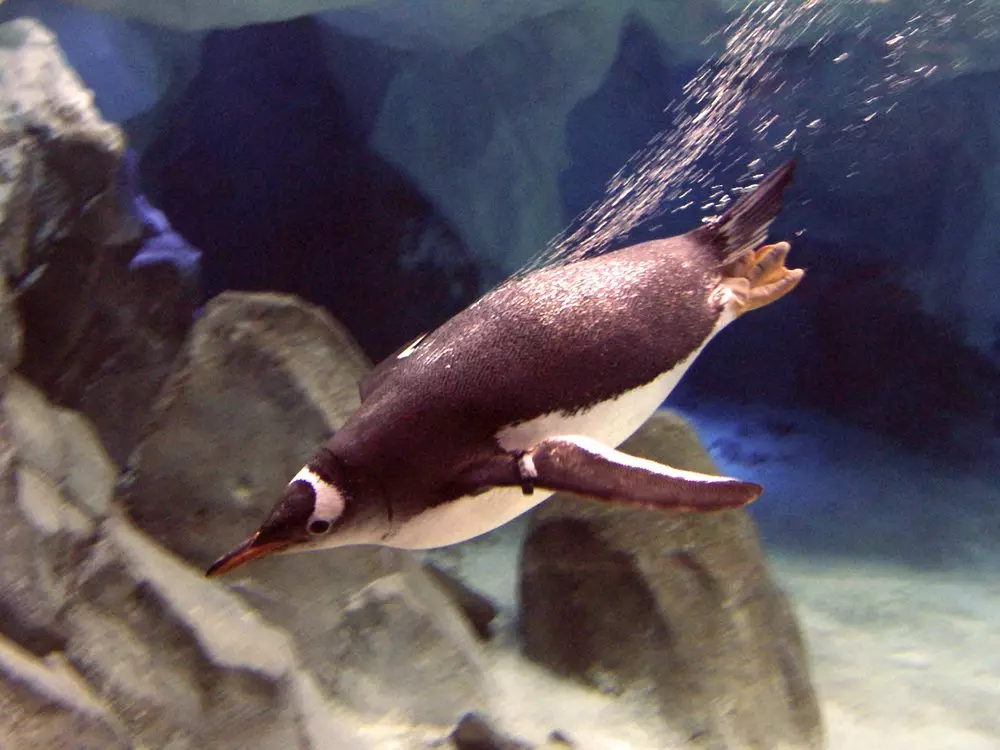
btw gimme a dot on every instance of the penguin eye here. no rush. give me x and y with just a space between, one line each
319 526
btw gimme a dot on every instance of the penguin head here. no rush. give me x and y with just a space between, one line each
315 511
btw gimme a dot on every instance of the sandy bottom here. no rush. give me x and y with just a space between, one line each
902 659
892 562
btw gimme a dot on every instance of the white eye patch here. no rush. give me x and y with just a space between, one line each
329 500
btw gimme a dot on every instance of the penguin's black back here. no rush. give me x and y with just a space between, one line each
559 339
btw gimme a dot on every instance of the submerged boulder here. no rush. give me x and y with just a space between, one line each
45 705
262 381
183 662
55 481
100 336
60 158
474 732
106 639
680 607
11 332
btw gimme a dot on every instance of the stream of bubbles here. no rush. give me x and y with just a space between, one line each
702 125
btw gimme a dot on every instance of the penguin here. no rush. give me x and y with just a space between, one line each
530 390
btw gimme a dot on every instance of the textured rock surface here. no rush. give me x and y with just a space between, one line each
263 380
475 733
140 649
511 138
60 159
44 705
179 659
681 607
100 337
130 66
11 332
54 483
403 648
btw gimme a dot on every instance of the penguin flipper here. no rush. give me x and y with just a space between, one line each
578 464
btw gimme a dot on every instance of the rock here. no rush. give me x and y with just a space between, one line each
27 608
61 445
34 427
43 507
67 235
48 506
11 332
133 323
450 27
131 67
180 660
479 610
429 24
475 733
263 380
404 649
507 138
44 705
557 739
177 660
60 159
89 475
680 607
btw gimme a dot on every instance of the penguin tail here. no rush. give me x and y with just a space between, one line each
744 225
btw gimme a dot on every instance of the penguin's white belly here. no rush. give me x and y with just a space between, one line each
610 422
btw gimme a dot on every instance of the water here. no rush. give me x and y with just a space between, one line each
666 172
161 384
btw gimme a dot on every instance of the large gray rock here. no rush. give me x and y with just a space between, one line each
45 705
180 660
11 332
262 381
400 643
100 337
680 607
60 160
54 483
177 660
136 66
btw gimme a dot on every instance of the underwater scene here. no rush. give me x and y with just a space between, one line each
629 369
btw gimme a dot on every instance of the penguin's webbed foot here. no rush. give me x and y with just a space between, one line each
760 277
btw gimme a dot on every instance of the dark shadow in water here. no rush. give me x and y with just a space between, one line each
264 166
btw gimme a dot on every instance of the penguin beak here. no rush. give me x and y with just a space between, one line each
251 549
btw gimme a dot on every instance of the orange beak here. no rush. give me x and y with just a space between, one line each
251 549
